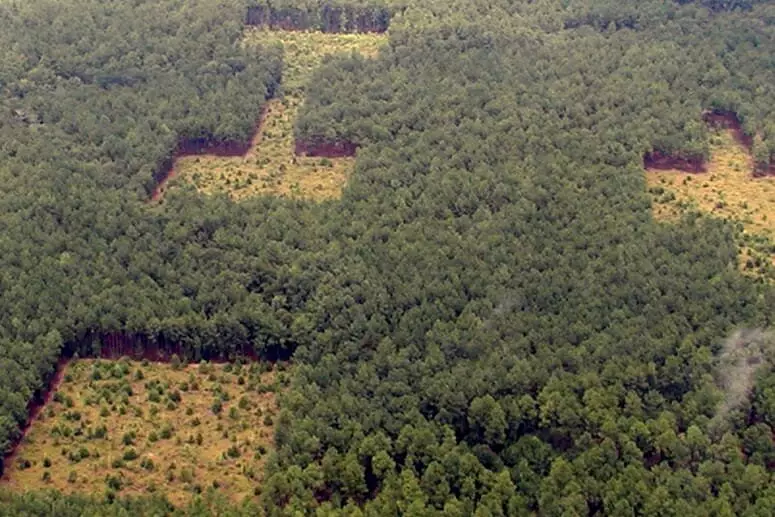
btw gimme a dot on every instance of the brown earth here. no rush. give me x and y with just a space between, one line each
728 120
35 406
657 161
341 149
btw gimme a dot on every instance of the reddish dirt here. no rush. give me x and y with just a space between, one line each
764 172
204 147
663 162
36 405
728 120
289 26
337 149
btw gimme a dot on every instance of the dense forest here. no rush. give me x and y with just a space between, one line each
489 322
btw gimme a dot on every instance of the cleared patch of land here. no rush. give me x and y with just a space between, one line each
131 428
727 190
271 166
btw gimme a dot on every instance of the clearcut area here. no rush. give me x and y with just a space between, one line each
272 166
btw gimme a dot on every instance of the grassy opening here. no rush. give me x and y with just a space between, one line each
727 190
271 167
130 428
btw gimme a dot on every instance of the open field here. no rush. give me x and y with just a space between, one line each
728 190
133 428
271 166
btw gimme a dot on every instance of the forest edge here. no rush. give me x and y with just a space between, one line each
721 119
110 346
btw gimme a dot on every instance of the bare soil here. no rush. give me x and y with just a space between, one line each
658 161
325 149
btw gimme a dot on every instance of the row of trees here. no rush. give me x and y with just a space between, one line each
322 15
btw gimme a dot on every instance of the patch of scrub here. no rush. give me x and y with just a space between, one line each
272 166
728 190
131 428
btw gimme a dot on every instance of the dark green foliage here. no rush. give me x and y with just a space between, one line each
129 438
325 16
233 452
166 432
113 482
130 455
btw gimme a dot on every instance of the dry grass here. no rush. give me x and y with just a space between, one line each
728 190
162 414
271 167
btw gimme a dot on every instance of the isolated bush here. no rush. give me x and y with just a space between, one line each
166 432
129 438
186 475
113 482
